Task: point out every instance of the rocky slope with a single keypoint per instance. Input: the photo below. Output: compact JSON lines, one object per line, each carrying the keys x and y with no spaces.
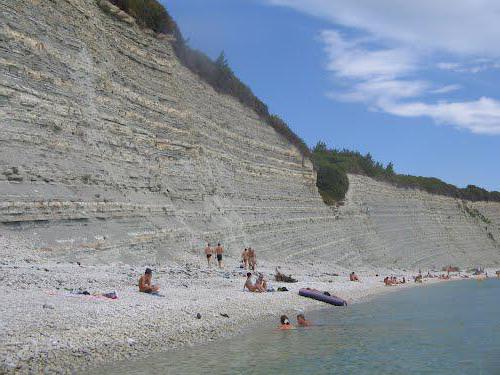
{"x":110,"y":150}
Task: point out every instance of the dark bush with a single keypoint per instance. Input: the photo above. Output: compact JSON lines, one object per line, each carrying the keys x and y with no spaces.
{"x":148,"y":13}
{"x":332,"y":183}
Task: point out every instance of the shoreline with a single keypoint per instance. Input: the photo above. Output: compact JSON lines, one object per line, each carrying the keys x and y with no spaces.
{"x":46,"y":328}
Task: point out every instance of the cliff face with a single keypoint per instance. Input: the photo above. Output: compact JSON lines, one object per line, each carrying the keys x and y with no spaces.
{"x":110,"y":150}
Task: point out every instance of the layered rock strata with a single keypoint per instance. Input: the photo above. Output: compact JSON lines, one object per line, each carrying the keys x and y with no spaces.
{"x":111,"y":150}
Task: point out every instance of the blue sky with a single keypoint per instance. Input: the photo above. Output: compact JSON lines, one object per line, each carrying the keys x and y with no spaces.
{"x":416,"y":85}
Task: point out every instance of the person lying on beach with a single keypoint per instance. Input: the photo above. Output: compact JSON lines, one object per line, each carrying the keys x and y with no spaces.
{"x":353,"y":277}
{"x":283,"y":278}
{"x":285,"y":323}
{"x":302,"y":322}
{"x":387,"y":281}
{"x":208,"y":253}
{"x":249,"y":285}
{"x":261,"y":283}
{"x":145,"y":285}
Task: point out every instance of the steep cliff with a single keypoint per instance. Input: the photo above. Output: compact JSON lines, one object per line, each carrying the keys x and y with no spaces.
{"x":111,"y":150}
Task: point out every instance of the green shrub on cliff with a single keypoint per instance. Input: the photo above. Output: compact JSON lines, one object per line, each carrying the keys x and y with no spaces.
{"x":345,"y":161}
{"x":148,"y":13}
{"x":332,"y":183}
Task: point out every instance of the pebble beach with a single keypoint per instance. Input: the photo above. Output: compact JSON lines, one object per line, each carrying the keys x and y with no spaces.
{"x":46,"y":327}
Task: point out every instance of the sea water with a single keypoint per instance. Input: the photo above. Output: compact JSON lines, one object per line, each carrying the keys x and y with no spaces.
{"x":448,"y":328}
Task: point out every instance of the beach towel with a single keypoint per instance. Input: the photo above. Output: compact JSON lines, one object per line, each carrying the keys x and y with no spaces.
{"x":111,"y":295}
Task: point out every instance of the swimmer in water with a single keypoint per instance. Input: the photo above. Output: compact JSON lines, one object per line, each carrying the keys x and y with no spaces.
{"x":285,"y":323}
{"x":302,"y":322}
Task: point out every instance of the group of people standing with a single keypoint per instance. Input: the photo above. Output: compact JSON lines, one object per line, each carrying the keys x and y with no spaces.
{"x":217,"y":251}
{"x":249,"y":259}
{"x":248,"y":256}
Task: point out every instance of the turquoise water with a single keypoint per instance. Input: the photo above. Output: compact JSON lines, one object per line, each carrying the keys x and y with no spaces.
{"x":449,"y":328}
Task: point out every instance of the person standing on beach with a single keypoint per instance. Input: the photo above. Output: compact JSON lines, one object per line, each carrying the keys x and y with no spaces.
{"x":208,"y":253}
{"x":252,"y":259}
{"x":145,"y":285}
{"x":219,"y":250}
{"x":244,"y":258}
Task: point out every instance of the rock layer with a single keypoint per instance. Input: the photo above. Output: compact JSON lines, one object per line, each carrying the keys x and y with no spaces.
{"x":111,"y":150}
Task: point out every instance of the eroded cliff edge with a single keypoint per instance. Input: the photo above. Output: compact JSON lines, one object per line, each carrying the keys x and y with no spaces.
{"x":110,"y":150}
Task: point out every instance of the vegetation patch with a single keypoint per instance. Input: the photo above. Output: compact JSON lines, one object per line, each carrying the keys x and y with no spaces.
{"x":346,"y":161}
{"x":475,"y":213}
{"x":490,"y":236}
{"x":148,"y":13}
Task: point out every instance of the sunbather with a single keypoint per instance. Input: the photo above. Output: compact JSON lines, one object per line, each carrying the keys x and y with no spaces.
{"x":145,"y":285}
{"x":284,"y":278}
{"x":249,"y":285}
{"x":261,"y":283}
{"x":353,"y":277}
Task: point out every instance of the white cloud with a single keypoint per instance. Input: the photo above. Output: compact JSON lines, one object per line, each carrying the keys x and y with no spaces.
{"x":481,"y":116}
{"x":446,"y":89}
{"x":456,"y":26}
{"x":350,"y":59}
{"x":449,"y":66}
{"x":400,"y":40}
{"x":380,"y":91}
{"x":477,"y":66}
{"x":373,"y":74}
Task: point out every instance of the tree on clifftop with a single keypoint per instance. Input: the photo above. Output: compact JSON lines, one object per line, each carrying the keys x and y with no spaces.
{"x":224,"y":78}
